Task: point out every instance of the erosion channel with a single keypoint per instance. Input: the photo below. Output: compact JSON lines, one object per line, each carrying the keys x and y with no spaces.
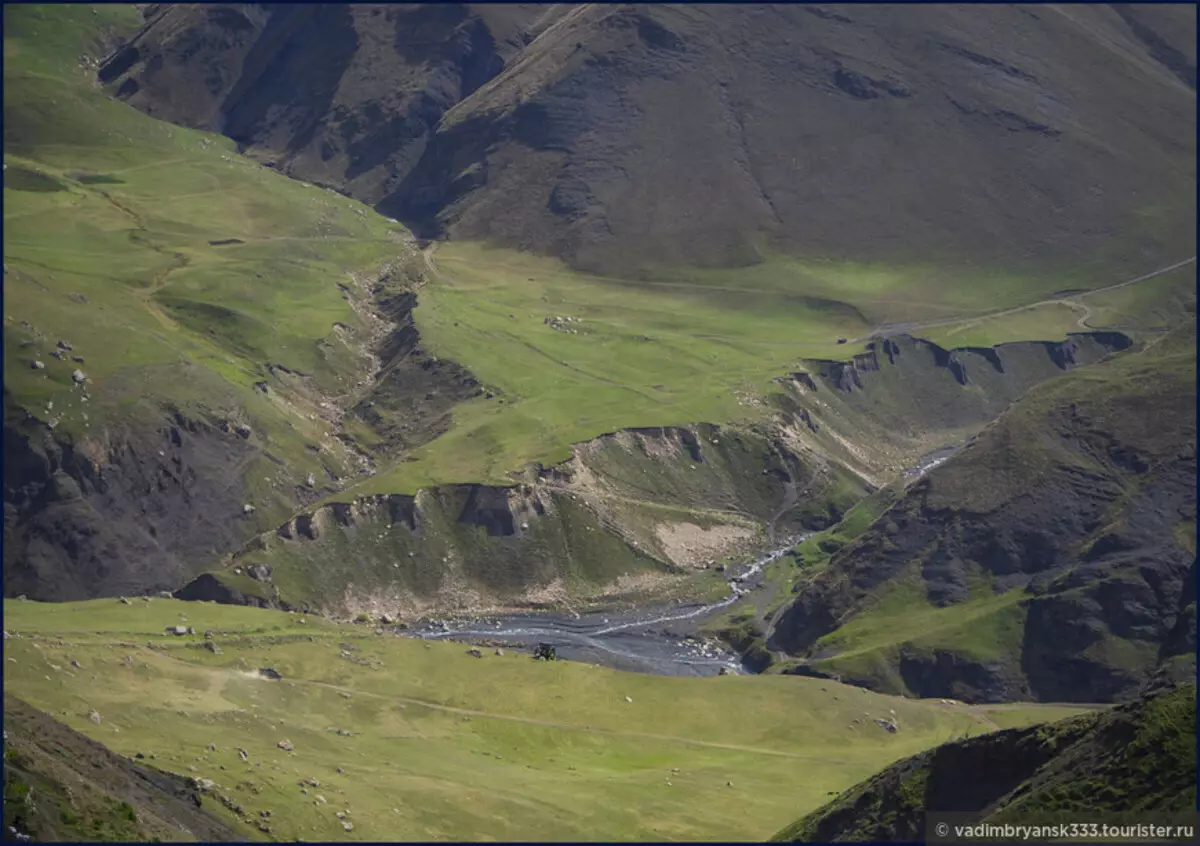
{"x":657,"y":639}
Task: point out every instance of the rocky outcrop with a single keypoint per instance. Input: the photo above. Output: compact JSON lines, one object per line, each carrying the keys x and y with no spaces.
{"x":617,"y":510}
{"x":143,"y":512}
{"x":1079,"y":520}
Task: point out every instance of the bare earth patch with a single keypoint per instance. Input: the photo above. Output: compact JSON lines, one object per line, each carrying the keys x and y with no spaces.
{"x":689,"y":545}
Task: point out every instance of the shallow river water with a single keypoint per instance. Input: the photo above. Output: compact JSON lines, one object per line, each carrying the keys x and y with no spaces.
{"x":655,"y":639}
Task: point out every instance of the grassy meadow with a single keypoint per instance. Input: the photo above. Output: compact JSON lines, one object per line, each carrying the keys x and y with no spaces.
{"x":443,"y":745}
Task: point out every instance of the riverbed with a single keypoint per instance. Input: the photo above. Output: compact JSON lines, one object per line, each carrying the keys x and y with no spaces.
{"x":659,"y":639}
{"x":656,"y":639}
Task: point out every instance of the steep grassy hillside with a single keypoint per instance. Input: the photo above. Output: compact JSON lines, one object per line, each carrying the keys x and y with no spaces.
{"x":61,"y":786}
{"x":1054,"y":557}
{"x":1132,"y":764}
{"x":626,"y":137}
{"x":213,"y":309}
{"x":406,"y":740}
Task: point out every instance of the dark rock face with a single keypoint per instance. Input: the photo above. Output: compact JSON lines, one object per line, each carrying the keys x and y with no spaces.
{"x":135,"y":521}
{"x":488,"y":507}
{"x":1074,"y":498}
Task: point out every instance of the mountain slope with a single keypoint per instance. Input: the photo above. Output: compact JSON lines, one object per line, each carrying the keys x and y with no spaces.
{"x":1134,"y":763}
{"x":629,"y":137}
{"x":61,"y":786}
{"x":1053,"y":557}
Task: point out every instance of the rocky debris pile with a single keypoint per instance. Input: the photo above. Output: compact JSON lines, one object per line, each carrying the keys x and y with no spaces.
{"x":564,"y":324}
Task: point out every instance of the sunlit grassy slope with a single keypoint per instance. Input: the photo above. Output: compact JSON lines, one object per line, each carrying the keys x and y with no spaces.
{"x":701,"y":344}
{"x":175,"y":268}
{"x":447,"y":746}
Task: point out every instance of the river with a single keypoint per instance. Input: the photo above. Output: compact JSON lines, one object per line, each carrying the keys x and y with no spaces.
{"x":655,"y":639}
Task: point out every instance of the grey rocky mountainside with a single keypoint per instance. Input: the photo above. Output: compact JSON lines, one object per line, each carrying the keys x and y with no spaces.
{"x":580,"y":131}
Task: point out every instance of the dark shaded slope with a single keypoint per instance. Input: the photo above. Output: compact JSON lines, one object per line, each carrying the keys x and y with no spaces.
{"x":61,"y":786}
{"x":344,"y":95}
{"x":623,"y":137}
{"x":1082,"y":498}
{"x":1129,"y":764}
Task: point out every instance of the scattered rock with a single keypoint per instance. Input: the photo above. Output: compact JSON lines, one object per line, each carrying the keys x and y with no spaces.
{"x":474,"y":653}
{"x":124,"y":600}
{"x":248,"y":509}
{"x":310,"y":480}
{"x":212,"y":647}
{"x":270,"y":673}
{"x":320,"y":800}
{"x":243,"y":754}
{"x":178,"y":631}
{"x":37,"y":365}
{"x":348,"y":826}
{"x":76,"y":664}
{"x":243,"y":430}
{"x":500,"y":652}
{"x":79,"y":377}
{"x":63,"y":345}
{"x":628,"y":699}
{"x":286,"y":745}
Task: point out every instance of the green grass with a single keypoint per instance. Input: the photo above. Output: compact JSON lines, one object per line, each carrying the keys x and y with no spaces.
{"x":461,"y":748}
{"x":690,"y":345}
{"x":118,"y":260}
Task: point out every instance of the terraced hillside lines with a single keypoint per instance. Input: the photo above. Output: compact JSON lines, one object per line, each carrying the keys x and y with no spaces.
{"x":416,"y":740}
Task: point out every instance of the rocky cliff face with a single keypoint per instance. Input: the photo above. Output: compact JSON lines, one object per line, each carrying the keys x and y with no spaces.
{"x":1081,"y":500}
{"x":640,"y":511}
{"x":905,"y":397}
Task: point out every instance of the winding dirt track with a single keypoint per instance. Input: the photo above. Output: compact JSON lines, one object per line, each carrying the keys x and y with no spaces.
{"x":896,"y":328}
